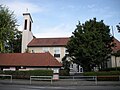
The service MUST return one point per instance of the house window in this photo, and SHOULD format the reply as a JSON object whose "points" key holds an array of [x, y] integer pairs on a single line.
{"points": [[45, 49], [56, 52], [25, 26]]}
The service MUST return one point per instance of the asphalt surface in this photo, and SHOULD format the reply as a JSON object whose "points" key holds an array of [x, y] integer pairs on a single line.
{"points": [[61, 82], [18, 84], [32, 87]]}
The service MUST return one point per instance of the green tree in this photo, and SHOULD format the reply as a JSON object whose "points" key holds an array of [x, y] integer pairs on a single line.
{"points": [[8, 29], [90, 45], [14, 45], [66, 62], [16, 42]]}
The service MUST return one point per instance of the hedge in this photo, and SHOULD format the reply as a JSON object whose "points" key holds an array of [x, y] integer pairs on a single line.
{"points": [[27, 74], [103, 73], [104, 76], [111, 69], [64, 72], [108, 78]]}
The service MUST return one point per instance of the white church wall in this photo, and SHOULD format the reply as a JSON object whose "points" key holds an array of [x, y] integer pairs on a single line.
{"points": [[27, 35], [115, 63], [51, 50]]}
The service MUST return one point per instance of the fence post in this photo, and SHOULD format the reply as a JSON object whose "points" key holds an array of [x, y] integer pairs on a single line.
{"points": [[30, 79], [51, 79], [73, 78], [96, 80], [7, 76], [11, 78]]}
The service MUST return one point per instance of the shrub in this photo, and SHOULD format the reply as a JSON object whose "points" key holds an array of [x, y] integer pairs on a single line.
{"points": [[108, 78], [101, 73], [64, 73], [27, 74], [104, 76], [111, 69]]}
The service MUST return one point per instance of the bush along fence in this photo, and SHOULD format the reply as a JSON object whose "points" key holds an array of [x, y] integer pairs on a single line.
{"points": [[27, 74], [111, 69], [101, 76], [105, 76]]}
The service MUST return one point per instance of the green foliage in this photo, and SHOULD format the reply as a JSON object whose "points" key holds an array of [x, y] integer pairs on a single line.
{"points": [[110, 73], [27, 74], [66, 63], [8, 30], [90, 45], [64, 72], [108, 78], [16, 42], [104, 76], [111, 69]]}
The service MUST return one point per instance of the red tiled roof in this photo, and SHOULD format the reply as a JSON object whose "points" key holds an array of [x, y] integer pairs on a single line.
{"points": [[117, 45], [29, 59], [36, 42], [48, 42]]}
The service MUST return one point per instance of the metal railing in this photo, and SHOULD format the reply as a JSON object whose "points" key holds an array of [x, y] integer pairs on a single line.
{"points": [[2, 75], [41, 78], [82, 78]]}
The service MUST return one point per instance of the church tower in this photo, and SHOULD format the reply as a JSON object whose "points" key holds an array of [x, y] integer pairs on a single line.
{"points": [[27, 35]]}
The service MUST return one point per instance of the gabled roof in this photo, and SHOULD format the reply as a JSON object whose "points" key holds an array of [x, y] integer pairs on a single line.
{"points": [[117, 45], [50, 42], [42, 42], [29, 59]]}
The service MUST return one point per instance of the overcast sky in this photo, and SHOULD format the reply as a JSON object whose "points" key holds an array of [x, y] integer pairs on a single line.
{"points": [[58, 18]]}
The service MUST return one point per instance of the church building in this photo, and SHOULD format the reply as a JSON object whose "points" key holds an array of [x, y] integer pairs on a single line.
{"points": [[55, 46], [43, 53]]}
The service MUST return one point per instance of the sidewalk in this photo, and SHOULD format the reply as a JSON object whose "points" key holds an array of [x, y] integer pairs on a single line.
{"points": [[61, 83]]}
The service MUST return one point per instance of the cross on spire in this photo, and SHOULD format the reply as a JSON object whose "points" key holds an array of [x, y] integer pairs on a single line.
{"points": [[26, 9]]}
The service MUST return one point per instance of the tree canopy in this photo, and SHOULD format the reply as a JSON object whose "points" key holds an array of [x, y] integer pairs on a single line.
{"points": [[8, 30], [90, 45]]}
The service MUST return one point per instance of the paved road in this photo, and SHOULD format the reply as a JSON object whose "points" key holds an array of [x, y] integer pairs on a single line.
{"points": [[61, 83], [33, 87]]}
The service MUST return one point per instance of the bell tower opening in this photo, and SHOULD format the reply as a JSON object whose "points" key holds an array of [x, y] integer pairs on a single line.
{"points": [[27, 21], [25, 25]]}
